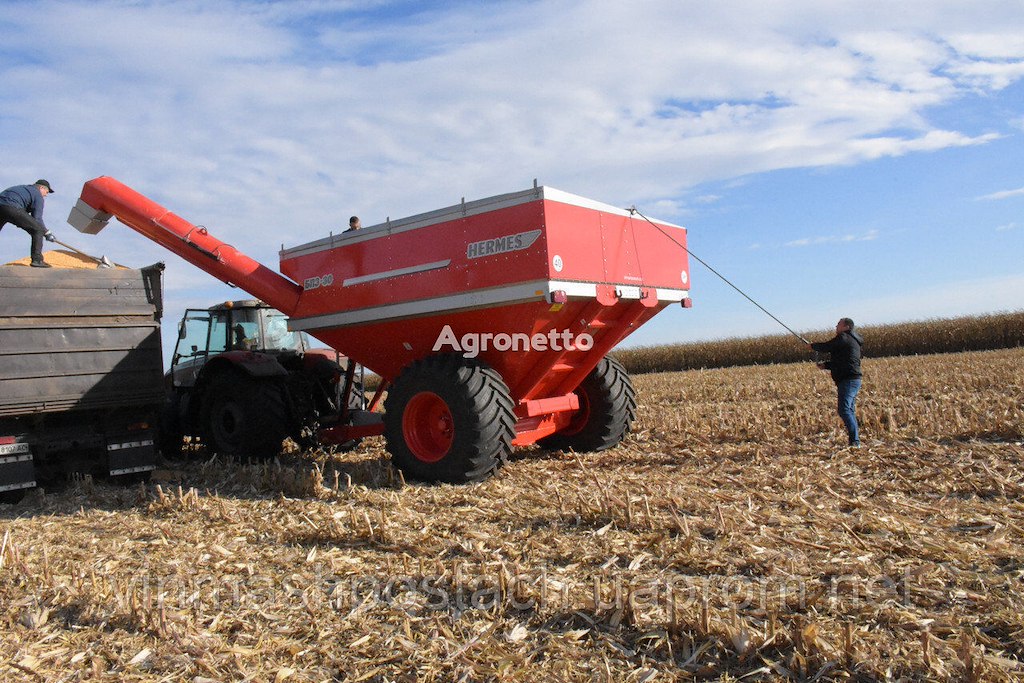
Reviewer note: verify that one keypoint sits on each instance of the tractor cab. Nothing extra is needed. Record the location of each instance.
(247, 325)
(242, 381)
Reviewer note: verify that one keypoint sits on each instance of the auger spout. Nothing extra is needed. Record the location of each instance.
(104, 197)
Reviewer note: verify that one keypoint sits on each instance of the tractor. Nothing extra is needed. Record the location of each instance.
(241, 383)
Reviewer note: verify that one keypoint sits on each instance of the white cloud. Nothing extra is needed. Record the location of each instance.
(1002, 194)
(272, 122)
(867, 236)
(1006, 227)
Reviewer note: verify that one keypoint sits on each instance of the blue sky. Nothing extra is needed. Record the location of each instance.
(841, 158)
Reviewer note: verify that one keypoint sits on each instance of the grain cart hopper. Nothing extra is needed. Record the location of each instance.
(488, 321)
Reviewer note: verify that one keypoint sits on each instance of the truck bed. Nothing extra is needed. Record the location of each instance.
(75, 339)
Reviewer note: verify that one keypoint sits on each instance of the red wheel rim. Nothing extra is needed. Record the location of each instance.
(427, 427)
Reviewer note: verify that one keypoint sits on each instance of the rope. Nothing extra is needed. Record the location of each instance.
(704, 263)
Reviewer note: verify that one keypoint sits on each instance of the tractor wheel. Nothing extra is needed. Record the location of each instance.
(607, 409)
(449, 419)
(244, 417)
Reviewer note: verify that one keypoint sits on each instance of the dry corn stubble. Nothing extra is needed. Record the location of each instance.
(948, 335)
(730, 536)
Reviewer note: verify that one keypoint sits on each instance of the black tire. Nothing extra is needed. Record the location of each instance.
(244, 416)
(449, 419)
(607, 409)
(171, 438)
(12, 497)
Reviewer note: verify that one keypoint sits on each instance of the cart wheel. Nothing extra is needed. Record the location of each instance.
(244, 417)
(607, 409)
(449, 418)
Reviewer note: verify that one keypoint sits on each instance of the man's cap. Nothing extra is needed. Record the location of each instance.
(44, 183)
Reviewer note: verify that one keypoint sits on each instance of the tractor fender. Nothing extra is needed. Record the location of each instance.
(252, 363)
(320, 360)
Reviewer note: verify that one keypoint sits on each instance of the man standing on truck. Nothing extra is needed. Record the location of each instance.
(22, 205)
(844, 363)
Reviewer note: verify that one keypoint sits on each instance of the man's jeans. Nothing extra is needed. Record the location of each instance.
(848, 389)
(27, 222)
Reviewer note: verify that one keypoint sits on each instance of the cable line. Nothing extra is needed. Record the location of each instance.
(724, 279)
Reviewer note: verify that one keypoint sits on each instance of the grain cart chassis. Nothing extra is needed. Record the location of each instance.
(488, 321)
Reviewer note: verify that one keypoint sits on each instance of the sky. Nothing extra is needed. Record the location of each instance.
(859, 159)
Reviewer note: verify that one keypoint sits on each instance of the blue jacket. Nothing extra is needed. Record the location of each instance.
(27, 197)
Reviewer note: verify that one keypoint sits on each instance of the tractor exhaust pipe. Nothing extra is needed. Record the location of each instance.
(105, 197)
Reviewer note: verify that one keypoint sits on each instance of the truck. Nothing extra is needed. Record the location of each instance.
(81, 374)
(488, 321)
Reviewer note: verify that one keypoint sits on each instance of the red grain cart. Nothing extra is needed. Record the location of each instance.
(489, 321)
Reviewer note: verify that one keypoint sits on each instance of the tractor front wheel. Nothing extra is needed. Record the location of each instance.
(244, 417)
(449, 419)
(607, 409)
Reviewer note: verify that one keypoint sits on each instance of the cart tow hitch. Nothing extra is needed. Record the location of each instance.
(362, 423)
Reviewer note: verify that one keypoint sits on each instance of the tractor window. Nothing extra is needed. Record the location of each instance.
(277, 334)
(193, 334)
(245, 329)
(219, 331)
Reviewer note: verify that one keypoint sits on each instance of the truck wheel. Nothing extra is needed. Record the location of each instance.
(12, 497)
(607, 409)
(450, 419)
(244, 417)
(171, 438)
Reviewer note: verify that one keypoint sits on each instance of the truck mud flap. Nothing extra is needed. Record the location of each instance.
(131, 454)
(17, 469)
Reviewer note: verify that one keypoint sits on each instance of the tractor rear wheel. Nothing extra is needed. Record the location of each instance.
(607, 409)
(244, 417)
(449, 419)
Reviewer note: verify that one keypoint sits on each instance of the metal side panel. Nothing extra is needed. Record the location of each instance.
(79, 339)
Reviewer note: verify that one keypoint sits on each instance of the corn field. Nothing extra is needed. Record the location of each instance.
(731, 537)
(952, 335)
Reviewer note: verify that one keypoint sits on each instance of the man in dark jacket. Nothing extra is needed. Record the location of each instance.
(844, 363)
(22, 205)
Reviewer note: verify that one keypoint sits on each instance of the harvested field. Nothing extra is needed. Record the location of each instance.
(730, 537)
(949, 335)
